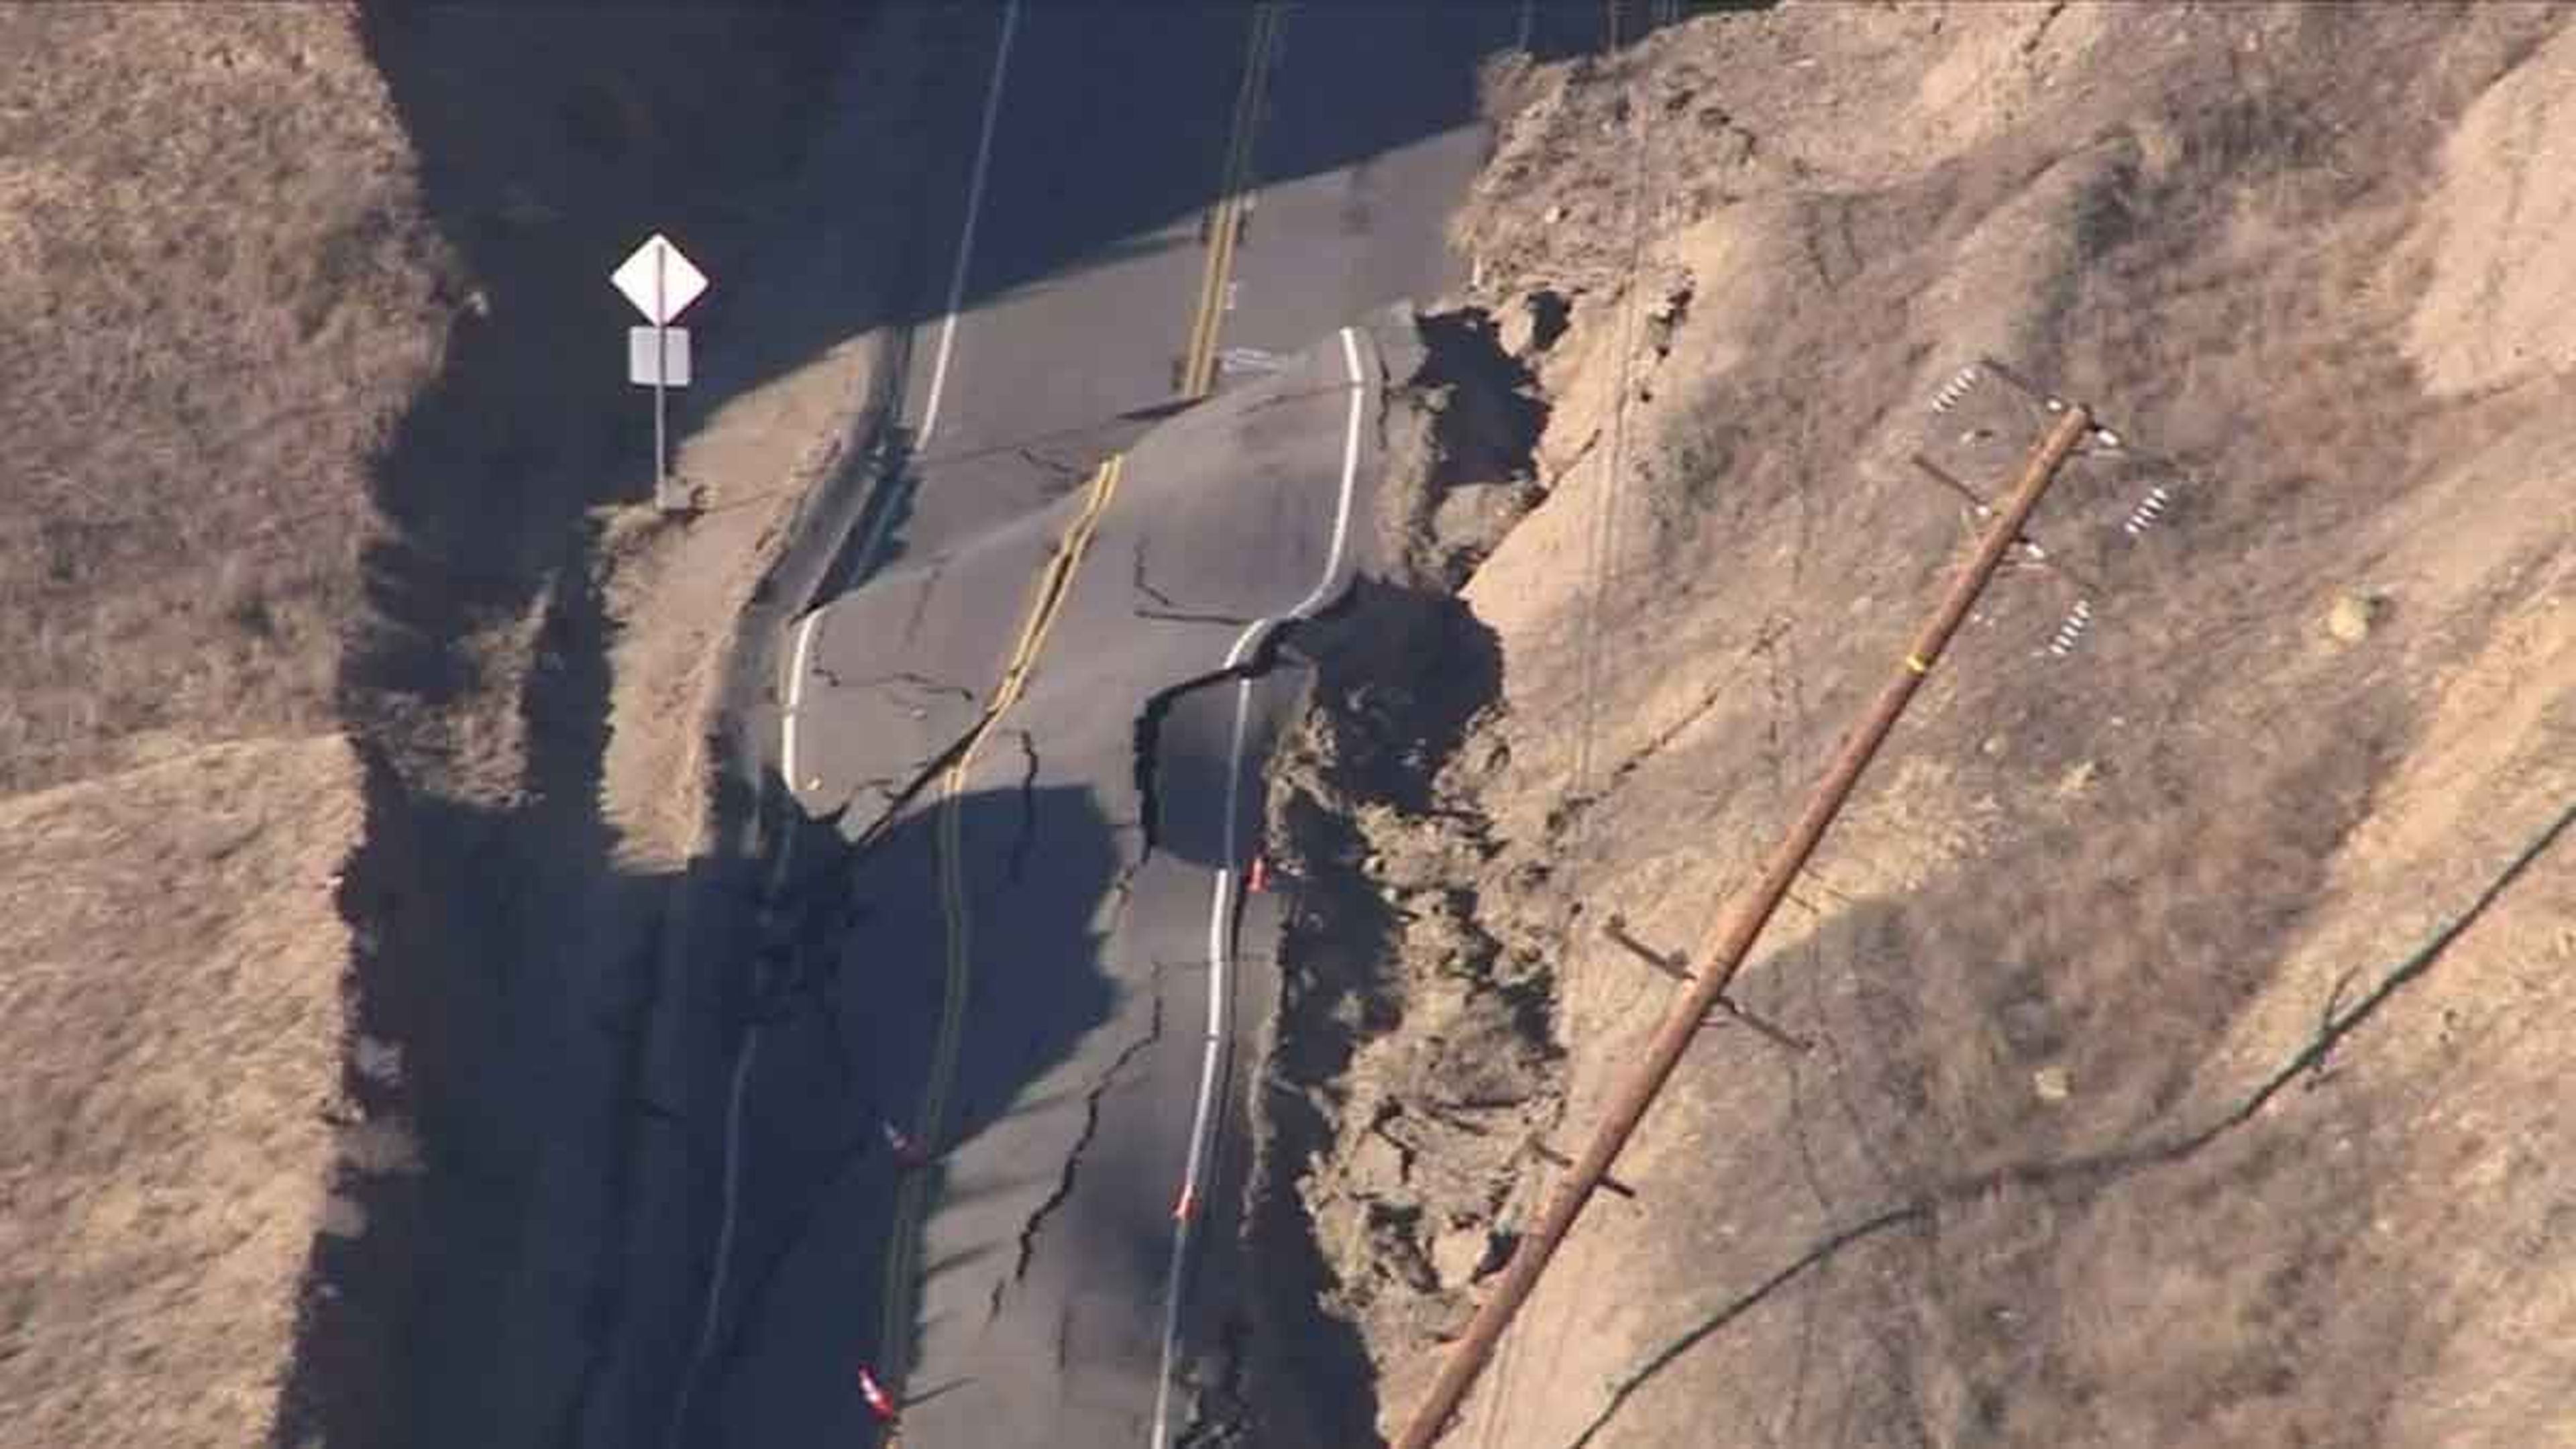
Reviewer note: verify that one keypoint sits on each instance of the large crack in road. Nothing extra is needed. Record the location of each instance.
(1018, 861)
(1091, 1104)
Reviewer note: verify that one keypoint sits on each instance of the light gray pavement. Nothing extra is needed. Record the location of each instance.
(1086, 1083)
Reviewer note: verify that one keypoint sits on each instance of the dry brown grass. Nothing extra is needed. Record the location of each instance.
(171, 963)
(216, 291)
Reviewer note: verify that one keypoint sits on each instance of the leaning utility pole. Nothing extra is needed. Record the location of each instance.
(1724, 955)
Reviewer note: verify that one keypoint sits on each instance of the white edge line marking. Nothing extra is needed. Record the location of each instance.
(947, 342)
(802, 656)
(796, 690)
(1221, 897)
(797, 660)
(974, 209)
(724, 1233)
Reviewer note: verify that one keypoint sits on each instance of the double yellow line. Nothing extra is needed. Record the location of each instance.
(1198, 377)
(931, 1126)
(1225, 223)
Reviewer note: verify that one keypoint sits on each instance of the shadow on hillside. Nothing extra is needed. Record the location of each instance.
(500, 946)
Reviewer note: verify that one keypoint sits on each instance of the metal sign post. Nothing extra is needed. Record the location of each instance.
(661, 378)
(661, 282)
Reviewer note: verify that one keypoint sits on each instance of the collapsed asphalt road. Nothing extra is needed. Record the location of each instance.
(1045, 988)
(1037, 735)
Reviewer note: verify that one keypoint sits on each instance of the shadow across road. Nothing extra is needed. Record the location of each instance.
(845, 1005)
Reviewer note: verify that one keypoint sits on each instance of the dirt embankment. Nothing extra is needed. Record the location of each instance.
(1415, 1061)
(324, 537)
(2132, 1083)
(529, 676)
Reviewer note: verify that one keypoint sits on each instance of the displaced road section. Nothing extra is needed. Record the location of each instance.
(1043, 990)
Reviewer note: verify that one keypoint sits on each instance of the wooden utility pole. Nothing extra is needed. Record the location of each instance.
(1724, 956)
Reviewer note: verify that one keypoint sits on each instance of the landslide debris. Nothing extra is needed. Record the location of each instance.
(1417, 1062)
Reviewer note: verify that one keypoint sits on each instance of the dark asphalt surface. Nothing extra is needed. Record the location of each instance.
(1084, 878)
(1085, 1030)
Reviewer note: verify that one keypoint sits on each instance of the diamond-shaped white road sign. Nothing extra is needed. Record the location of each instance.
(658, 280)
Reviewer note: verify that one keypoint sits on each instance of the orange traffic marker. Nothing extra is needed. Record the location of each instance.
(1257, 879)
(878, 1401)
(906, 1151)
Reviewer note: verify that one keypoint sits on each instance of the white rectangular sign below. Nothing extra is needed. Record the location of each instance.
(666, 363)
(659, 280)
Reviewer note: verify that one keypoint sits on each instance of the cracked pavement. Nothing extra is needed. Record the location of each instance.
(1081, 850)
(1092, 838)
(1091, 1102)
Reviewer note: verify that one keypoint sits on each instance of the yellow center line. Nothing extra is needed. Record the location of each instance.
(1198, 364)
(1054, 584)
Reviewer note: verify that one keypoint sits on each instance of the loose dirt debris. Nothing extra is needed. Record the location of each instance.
(2139, 1109)
(1416, 1052)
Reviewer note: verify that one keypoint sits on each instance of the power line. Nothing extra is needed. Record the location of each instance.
(1724, 955)
(1601, 546)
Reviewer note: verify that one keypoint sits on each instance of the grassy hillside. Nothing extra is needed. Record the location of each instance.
(173, 1014)
(218, 289)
